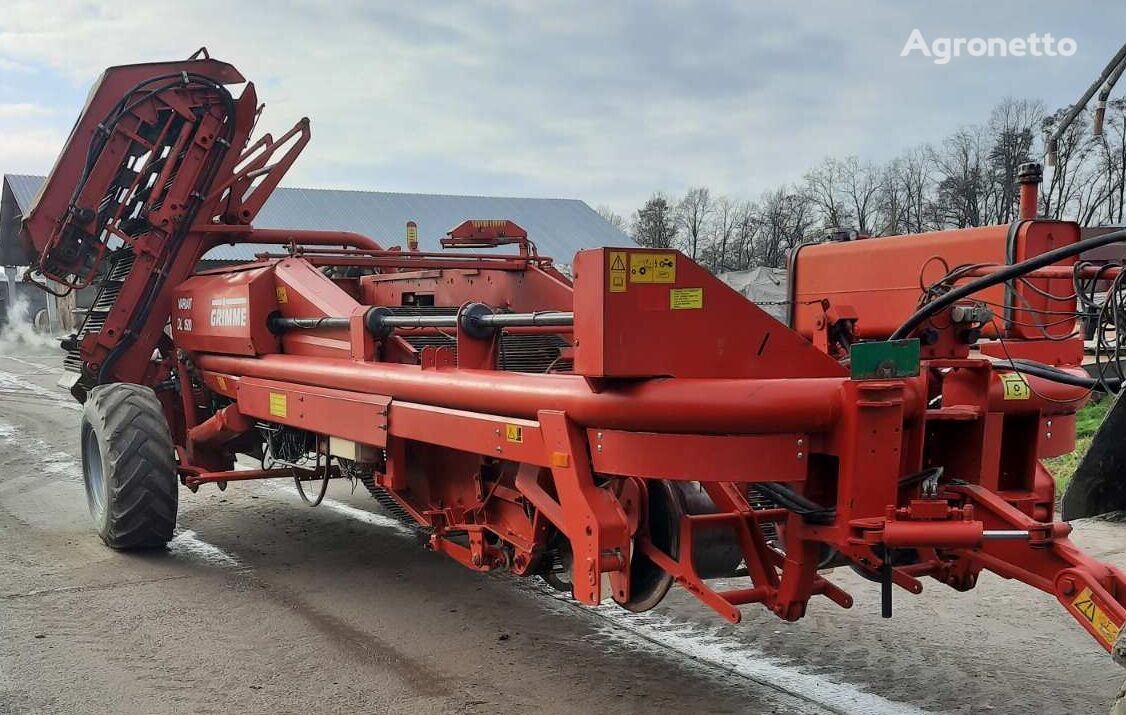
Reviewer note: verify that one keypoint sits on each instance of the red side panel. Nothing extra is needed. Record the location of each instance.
(226, 313)
(641, 313)
(881, 278)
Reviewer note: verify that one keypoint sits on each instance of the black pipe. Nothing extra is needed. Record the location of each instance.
(1007, 273)
(474, 318)
(1054, 374)
(1107, 78)
(278, 324)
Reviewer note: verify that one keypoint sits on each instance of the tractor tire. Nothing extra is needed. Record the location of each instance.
(129, 467)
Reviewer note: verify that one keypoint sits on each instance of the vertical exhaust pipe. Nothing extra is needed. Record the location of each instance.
(1029, 177)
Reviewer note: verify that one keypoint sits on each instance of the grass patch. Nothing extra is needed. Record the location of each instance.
(1087, 422)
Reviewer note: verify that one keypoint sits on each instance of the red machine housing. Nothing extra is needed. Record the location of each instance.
(882, 278)
(640, 426)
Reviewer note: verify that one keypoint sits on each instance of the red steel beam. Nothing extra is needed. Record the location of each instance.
(720, 406)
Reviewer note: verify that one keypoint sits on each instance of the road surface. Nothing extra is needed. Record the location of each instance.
(262, 604)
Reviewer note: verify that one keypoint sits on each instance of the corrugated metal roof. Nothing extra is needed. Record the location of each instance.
(558, 227)
(23, 188)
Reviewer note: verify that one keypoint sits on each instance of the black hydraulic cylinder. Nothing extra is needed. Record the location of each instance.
(476, 318)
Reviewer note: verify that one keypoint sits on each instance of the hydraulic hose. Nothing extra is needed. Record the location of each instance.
(1054, 374)
(1007, 273)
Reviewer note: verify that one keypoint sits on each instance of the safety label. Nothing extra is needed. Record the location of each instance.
(514, 433)
(283, 295)
(652, 268)
(1015, 386)
(278, 406)
(617, 272)
(222, 382)
(1105, 629)
(686, 298)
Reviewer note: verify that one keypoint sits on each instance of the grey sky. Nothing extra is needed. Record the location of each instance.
(603, 101)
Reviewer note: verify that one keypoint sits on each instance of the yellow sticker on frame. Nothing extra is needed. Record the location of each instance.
(686, 298)
(278, 404)
(616, 274)
(1015, 386)
(1105, 629)
(652, 268)
(514, 433)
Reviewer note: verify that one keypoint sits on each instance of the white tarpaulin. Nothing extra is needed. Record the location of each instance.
(764, 286)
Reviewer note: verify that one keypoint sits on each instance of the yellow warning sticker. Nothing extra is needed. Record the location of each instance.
(278, 406)
(686, 298)
(514, 433)
(1105, 629)
(617, 272)
(283, 295)
(1015, 386)
(652, 268)
(222, 382)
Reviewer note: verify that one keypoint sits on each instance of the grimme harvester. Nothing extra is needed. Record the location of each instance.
(638, 426)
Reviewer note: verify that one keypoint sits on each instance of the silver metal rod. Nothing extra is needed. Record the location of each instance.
(999, 534)
(515, 320)
(419, 321)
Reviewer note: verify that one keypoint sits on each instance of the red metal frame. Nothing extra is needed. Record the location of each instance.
(677, 384)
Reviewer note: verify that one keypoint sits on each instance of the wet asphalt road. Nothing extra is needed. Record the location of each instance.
(264, 605)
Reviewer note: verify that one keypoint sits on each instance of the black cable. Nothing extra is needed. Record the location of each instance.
(1048, 372)
(158, 277)
(814, 513)
(1007, 273)
(790, 500)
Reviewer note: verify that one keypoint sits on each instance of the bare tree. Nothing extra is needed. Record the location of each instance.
(968, 179)
(1114, 160)
(786, 220)
(861, 187)
(693, 213)
(963, 187)
(612, 218)
(724, 222)
(1064, 195)
(825, 188)
(654, 224)
(1011, 128)
(747, 227)
(917, 175)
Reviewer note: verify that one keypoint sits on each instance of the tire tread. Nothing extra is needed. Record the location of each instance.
(139, 463)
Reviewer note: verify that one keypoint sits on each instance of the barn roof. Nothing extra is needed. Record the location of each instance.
(558, 227)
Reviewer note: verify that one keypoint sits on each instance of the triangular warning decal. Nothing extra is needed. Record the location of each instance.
(618, 264)
(1087, 608)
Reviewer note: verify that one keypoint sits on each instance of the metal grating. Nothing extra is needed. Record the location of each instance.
(518, 353)
(120, 263)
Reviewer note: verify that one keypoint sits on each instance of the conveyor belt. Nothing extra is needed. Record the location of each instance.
(120, 264)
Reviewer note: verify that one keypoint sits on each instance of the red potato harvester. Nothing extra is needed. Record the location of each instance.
(638, 426)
